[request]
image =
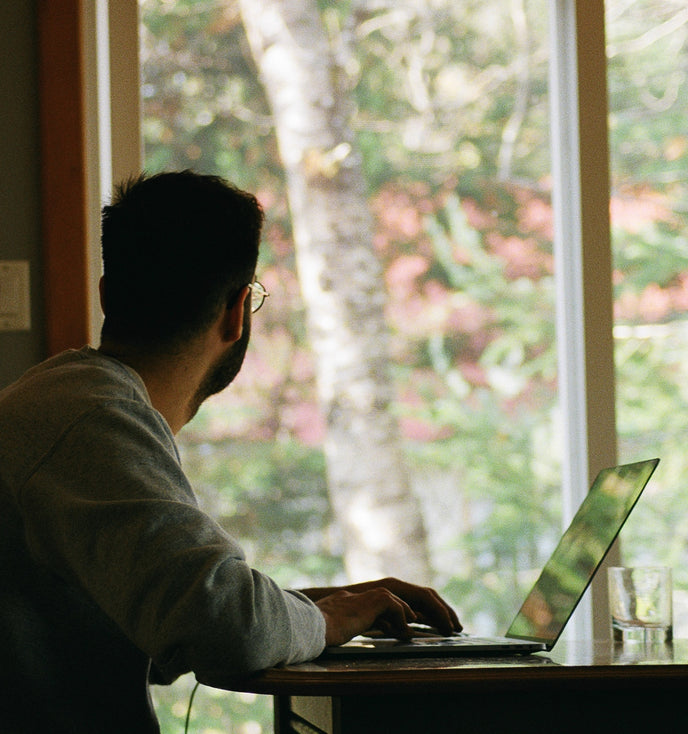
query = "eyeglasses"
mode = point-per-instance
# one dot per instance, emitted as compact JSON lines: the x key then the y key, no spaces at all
{"x":258,"y":295}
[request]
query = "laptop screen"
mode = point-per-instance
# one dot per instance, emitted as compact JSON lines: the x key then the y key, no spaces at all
{"x":580,"y":552}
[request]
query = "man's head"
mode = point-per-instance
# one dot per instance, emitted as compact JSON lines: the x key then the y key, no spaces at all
{"x":177,"y":248}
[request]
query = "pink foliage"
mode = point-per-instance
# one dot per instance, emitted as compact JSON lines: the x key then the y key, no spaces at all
{"x":469,"y":318}
{"x":476,"y":217}
{"x":636,"y":211}
{"x":279,"y":242}
{"x":305,"y":421}
{"x":416,"y":429}
{"x":680,"y":293}
{"x":267,"y":198}
{"x":474,"y":374}
{"x":403,"y":271}
{"x":422,"y":385}
{"x":654,"y":303}
{"x":412,"y":317}
{"x":522,"y":256}
{"x":535,"y":217}
{"x":302,"y":367}
{"x":398,"y":215}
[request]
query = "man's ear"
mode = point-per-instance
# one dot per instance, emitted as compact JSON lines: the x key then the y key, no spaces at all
{"x":233,"y":318}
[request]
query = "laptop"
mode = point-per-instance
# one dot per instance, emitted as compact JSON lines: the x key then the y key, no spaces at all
{"x":559,"y":588}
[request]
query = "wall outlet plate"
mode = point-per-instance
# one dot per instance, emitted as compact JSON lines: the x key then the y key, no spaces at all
{"x":15,"y":296}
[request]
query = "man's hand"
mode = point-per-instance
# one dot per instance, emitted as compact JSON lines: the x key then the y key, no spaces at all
{"x":388,"y":605}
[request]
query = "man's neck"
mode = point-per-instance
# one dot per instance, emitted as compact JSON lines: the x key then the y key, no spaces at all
{"x":172,"y":381}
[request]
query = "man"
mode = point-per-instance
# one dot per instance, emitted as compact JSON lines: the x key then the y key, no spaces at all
{"x":109,"y":572}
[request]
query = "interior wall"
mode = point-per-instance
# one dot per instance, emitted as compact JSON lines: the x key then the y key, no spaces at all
{"x":20,"y":210}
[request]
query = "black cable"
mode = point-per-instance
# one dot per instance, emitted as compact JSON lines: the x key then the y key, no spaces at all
{"x":188,"y":711}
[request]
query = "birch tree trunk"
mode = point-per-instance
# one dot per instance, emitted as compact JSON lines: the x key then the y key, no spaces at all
{"x":343,"y":290}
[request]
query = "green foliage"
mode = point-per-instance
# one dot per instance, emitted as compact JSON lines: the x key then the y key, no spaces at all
{"x":204,"y":107}
{"x":243,"y":483}
{"x":212,"y":710}
{"x":648,"y":94}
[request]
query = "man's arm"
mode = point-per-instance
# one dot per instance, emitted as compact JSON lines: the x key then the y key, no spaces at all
{"x":389,"y":605}
{"x":110,"y":512}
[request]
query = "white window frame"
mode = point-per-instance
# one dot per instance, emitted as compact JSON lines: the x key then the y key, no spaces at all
{"x":583,"y":256}
{"x":114,"y":143}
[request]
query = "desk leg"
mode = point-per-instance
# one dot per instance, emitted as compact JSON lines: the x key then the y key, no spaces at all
{"x":307,"y":715}
{"x":282,"y":713}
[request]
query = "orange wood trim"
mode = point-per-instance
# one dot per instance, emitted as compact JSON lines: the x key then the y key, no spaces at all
{"x":63,"y":174}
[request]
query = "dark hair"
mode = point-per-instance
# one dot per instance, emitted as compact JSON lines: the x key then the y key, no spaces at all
{"x":176,"y":248}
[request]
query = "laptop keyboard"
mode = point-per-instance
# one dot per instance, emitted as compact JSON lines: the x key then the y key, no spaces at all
{"x":458,"y":640}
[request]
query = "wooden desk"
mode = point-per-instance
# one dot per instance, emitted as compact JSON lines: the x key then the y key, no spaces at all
{"x":585,"y":688}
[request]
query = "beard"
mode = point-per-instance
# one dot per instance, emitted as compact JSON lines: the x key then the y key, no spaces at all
{"x":226,"y":368}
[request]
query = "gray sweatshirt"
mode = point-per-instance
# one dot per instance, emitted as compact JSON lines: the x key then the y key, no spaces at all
{"x":107,"y":563}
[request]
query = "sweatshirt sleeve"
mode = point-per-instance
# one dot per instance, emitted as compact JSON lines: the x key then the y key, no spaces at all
{"x":111,"y":512}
